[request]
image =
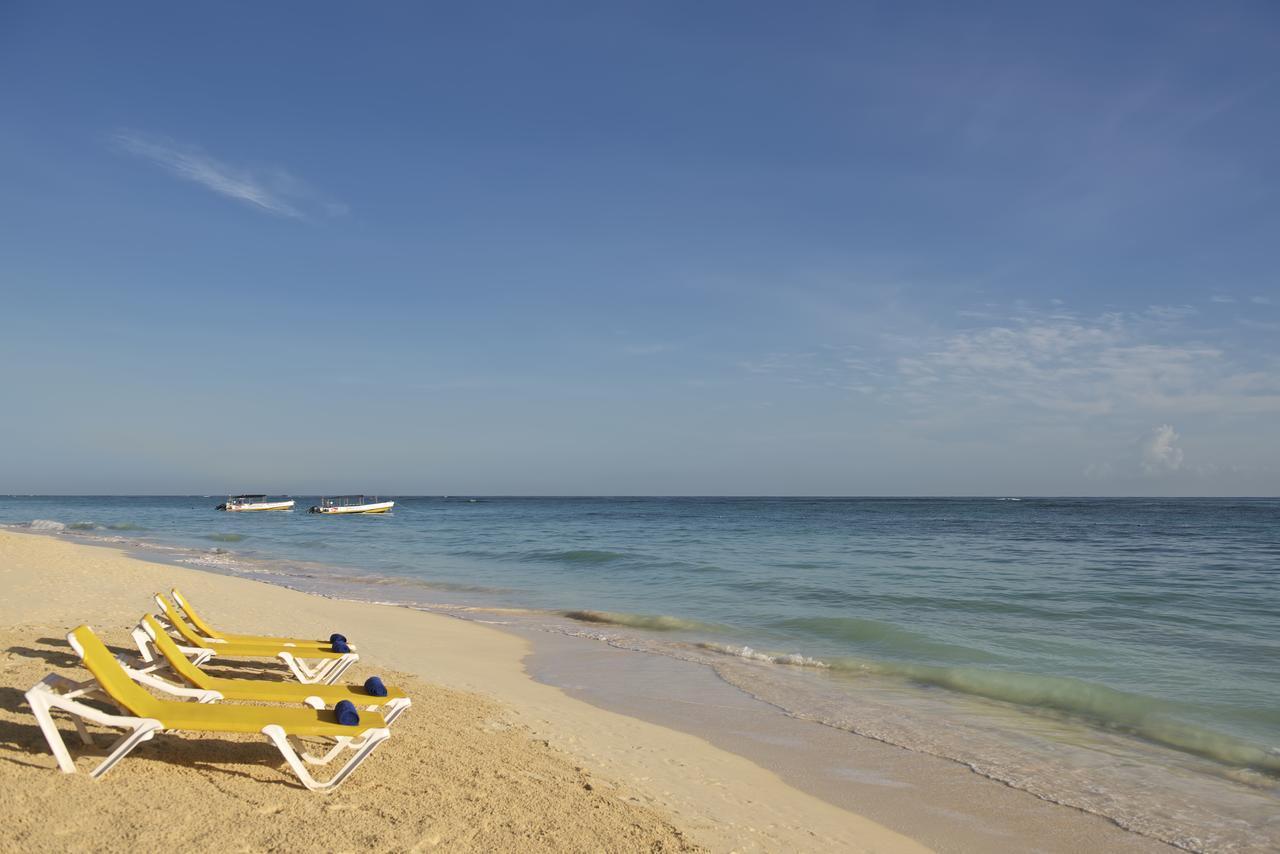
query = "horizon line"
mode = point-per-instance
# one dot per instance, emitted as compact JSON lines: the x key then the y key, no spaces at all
{"x":814,"y":496}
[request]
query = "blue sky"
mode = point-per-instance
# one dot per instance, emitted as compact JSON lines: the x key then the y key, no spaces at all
{"x":640,"y":249}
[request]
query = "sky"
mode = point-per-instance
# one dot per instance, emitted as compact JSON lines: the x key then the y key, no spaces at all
{"x":650,"y":248}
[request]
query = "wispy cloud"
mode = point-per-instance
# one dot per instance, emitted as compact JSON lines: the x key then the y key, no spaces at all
{"x":1139,"y":364}
{"x":273,"y":191}
{"x":1113,"y":363}
{"x":841,"y":368}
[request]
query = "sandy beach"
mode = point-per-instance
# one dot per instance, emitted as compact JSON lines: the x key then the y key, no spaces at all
{"x":739,"y":429}
{"x":486,"y":759}
{"x":839,"y":428}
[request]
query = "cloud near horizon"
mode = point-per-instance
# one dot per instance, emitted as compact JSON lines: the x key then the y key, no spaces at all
{"x":1103,"y":390}
{"x":1159,"y":451}
{"x":1059,"y":363}
{"x":272,"y":191}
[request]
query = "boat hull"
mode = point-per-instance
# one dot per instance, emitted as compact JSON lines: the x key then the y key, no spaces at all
{"x":379,"y":507}
{"x":257,"y":508}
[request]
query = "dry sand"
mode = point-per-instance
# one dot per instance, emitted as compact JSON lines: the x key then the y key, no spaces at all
{"x":487,"y":759}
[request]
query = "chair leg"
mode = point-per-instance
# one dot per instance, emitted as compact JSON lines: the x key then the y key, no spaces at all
{"x":280,"y":739}
{"x":328,"y":670}
{"x":39,"y":703}
{"x":342,"y":743}
{"x":395,"y":708}
{"x":340,"y":667}
{"x":372,"y":740}
{"x":301,"y":671}
{"x":325,"y":671}
{"x":81,"y":730}
{"x":143,"y":732}
{"x":43,"y":700}
{"x":143,"y":642}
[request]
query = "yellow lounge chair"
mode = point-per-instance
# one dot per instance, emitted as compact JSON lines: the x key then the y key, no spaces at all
{"x":144,"y":716}
{"x":205,"y":688}
{"x":329,"y":667}
{"x":184,"y":606}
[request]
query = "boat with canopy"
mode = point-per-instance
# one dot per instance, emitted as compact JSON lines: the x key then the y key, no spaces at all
{"x":348,"y":504}
{"x":245,"y":503}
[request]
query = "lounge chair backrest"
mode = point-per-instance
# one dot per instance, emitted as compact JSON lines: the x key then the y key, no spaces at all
{"x":180,"y":624}
{"x":180,"y":663}
{"x":110,"y":675}
{"x":193,"y":616}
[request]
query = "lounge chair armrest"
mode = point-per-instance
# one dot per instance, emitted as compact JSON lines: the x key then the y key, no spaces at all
{"x":200,"y":695}
{"x":71,"y":703}
{"x":56,"y":683}
{"x":142,"y":639}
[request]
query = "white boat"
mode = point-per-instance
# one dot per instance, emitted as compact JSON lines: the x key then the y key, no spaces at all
{"x":346,"y":504}
{"x":246,"y":503}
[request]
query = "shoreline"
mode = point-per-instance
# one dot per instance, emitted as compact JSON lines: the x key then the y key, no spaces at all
{"x":967,"y":812}
{"x":1070,"y":765}
{"x":716,"y":798}
{"x":938,"y":801}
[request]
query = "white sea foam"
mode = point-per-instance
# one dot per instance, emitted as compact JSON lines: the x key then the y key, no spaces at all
{"x":794,"y":659}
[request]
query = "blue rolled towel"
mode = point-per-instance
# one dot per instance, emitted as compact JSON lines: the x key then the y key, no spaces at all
{"x":346,"y":713}
{"x":374,"y":688}
{"x":341,"y":646}
{"x":335,"y":637}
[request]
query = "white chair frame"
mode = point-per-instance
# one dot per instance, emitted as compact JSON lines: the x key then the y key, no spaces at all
{"x":66,"y":695}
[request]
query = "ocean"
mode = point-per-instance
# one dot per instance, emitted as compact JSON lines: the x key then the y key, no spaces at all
{"x":1118,"y":655}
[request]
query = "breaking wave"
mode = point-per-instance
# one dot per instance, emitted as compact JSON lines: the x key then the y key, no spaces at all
{"x":86,"y":526}
{"x":658,"y":622}
{"x":881,"y":637}
{"x":794,"y":659}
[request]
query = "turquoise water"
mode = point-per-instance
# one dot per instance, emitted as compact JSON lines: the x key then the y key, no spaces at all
{"x":1156,"y":620}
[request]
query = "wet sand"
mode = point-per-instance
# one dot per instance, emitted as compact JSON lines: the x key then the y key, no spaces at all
{"x":935,"y":801}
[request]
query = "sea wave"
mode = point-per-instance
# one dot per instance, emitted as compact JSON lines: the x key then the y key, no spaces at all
{"x":225,"y":538}
{"x":403,"y":581}
{"x":218,"y":558}
{"x":880,"y":635}
{"x":1133,"y":714}
{"x":793,"y":659}
{"x":652,"y":622}
{"x":572,"y":556}
{"x":575,"y":556}
{"x":46,"y":525}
